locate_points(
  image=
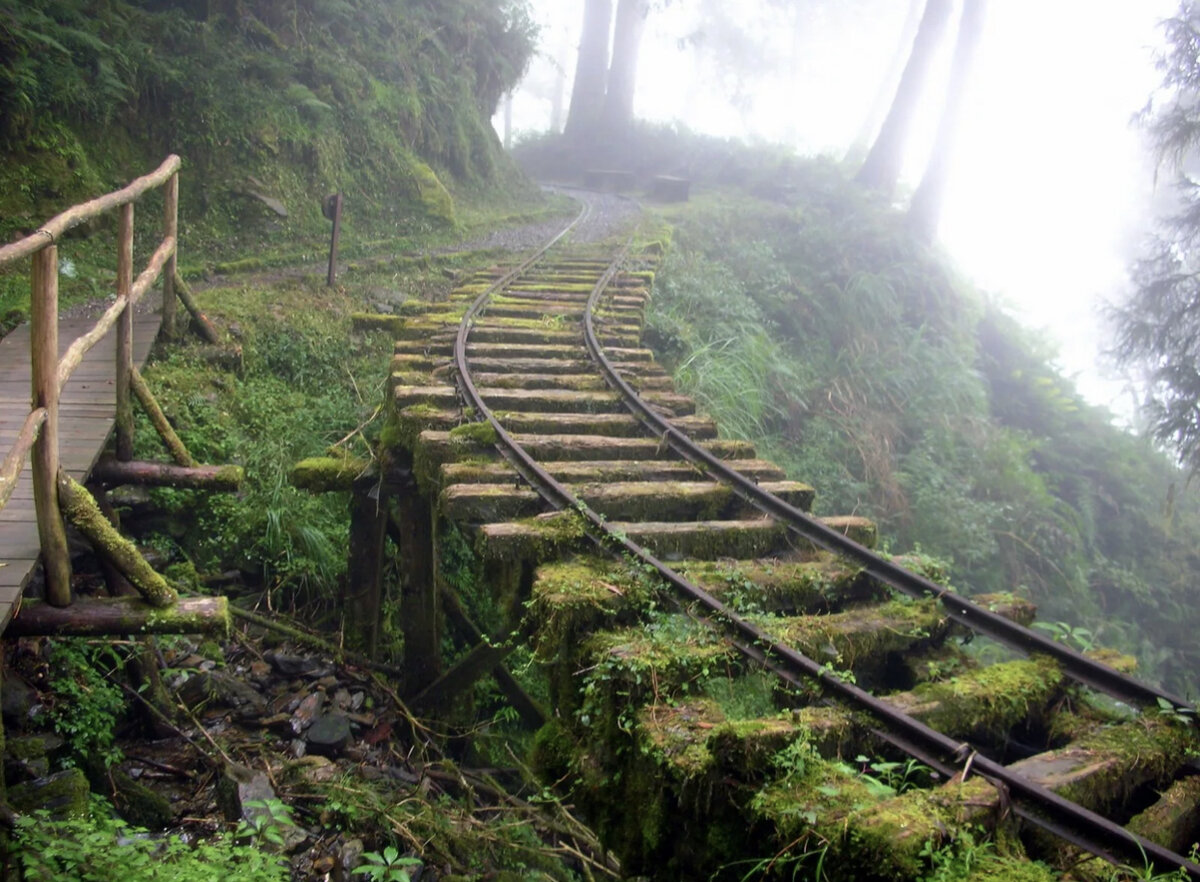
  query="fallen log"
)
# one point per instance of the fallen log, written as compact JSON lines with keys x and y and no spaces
{"x":158,"y":474}
{"x":80,"y":509}
{"x":120,"y":616}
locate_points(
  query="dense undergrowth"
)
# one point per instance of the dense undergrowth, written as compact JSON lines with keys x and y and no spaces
{"x":387,"y":102}
{"x":808,"y":320}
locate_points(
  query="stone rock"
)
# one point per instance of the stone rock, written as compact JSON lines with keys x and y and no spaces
{"x":63,"y":795}
{"x":307,"y":711}
{"x":329,"y":735}
{"x":27,"y":757}
{"x":349,"y":860}
{"x":19,"y":702}
{"x":296,"y":665}
{"x":220,"y":689}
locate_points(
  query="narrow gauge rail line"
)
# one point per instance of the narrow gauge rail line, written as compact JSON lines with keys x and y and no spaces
{"x":1034,"y":803}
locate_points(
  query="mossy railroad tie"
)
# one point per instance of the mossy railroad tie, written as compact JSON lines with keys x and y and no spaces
{"x":654,"y":709}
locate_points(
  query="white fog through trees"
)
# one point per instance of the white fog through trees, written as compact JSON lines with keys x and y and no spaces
{"x":1050,"y":188}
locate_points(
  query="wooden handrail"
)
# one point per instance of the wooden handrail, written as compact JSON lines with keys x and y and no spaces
{"x":78,"y":349}
{"x":15,"y":461}
{"x":50,"y":232}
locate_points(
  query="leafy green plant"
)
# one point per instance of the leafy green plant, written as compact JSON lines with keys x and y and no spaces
{"x":386,"y":866}
{"x":897,"y":776}
{"x":100,"y":847}
{"x":1184,"y":715}
{"x":265,"y":823}
{"x":1077,"y":637}
{"x":86,"y":704}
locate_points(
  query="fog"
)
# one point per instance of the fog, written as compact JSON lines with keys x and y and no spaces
{"x":1050,"y":185}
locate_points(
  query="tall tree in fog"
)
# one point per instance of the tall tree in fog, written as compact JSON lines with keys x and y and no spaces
{"x":622,"y":72}
{"x":926,"y":207}
{"x":591,"y":70}
{"x":881,"y":169}
{"x":1158,"y":327}
{"x":887,"y":87}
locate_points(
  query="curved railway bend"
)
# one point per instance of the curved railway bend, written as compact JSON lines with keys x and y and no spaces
{"x":736,"y":684}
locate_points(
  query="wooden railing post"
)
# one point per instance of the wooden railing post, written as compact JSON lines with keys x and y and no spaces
{"x":125,"y":335}
{"x":44,"y":357}
{"x":170,"y":228}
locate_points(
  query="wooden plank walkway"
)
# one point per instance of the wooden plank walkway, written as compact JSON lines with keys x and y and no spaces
{"x":87,"y":411}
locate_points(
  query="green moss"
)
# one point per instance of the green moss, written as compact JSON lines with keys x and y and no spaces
{"x":535,"y":539}
{"x":676,"y":736}
{"x":988,"y":700}
{"x":245,"y":265}
{"x":474,"y":433}
{"x":864,"y":635}
{"x":371,"y":321}
{"x":405,"y":432}
{"x":776,"y":586}
{"x":1122,"y":757}
{"x":431,"y":194}
{"x":322,"y":474}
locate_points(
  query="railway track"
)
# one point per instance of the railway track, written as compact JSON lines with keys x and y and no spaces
{"x":774,"y":695}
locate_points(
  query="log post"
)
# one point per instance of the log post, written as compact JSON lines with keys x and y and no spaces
{"x":44,"y":345}
{"x":364,"y":570}
{"x":204,"y":327}
{"x":114,"y":579}
{"x":85,"y":515}
{"x":179,"y":452}
{"x":418,"y":591}
{"x":125,"y":335}
{"x":126,"y":616}
{"x":170,"y":228}
{"x":115,"y":473}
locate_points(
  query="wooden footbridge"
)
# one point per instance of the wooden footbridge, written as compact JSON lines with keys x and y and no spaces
{"x":64,"y":387}
{"x":733,"y":683}
{"x":87,"y":412}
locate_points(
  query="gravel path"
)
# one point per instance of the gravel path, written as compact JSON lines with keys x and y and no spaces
{"x":610,"y":215}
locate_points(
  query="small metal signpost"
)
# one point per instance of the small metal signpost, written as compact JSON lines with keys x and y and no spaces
{"x":332,"y":209}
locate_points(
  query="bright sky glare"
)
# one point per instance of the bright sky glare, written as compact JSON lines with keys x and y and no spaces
{"x":1050,"y":184}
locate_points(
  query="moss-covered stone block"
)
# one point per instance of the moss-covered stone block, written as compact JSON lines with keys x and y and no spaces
{"x":324,"y":474}
{"x":987,"y":701}
{"x":859,"y":639}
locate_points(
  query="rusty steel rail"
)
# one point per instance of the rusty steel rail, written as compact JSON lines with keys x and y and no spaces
{"x":1042,"y":807}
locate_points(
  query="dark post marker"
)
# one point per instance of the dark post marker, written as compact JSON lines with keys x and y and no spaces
{"x":332,"y":209}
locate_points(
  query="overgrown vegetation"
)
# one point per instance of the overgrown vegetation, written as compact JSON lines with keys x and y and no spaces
{"x":270,"y":100}
{"x":812,"y":324}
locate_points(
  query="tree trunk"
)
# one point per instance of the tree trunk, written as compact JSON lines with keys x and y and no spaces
{"x":881,"y":169}
{"x":508,"y":113}
{"x":591,"y":68}
{"x":560,"y":85}
{"x":926,"y":207}
{"x":622,"y":72}
{"x":887,"y":86}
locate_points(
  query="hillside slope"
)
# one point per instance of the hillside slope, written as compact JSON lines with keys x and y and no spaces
{"x":272,"y":104}
{"x":812,"y":324}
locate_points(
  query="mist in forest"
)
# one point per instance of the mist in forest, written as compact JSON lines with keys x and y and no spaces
{"x":1048,"y":187}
